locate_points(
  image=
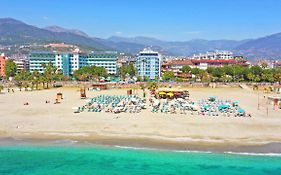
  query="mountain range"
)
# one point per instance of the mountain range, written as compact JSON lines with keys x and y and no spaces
{"x":13,"y":32}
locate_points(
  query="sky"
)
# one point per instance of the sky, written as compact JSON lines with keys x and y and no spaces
{"x":173,"y":20}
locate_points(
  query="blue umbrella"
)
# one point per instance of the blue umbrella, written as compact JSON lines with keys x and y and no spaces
{"x":241,"y":111}
{"x":223,"y":106}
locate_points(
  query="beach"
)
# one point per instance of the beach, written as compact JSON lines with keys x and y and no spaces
{"x":48,"y":121}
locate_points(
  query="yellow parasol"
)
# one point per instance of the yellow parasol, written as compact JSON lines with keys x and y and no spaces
{"x":170,"y":94}
{"x":162,"y":93}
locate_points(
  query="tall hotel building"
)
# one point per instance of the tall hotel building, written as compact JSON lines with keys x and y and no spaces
{"x":106,"y":59}
{"x":148,"y":64}
{"x":69,"y":62}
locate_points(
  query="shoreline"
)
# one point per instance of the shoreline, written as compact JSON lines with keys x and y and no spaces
{"x":144,"y":143}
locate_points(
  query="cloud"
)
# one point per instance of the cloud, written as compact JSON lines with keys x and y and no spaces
{"x":45,"y":17}
{"x":118,"y":33}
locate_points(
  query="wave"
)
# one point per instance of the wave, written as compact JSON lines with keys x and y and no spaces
{"x":200,"y":152}
{"x":159,"y":149}
{"x":253,"y":154}
{"x":66,"y":142}
{"x":136,"y":148}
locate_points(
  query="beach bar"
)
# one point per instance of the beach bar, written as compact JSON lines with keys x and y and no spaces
{"x":172,"y":93}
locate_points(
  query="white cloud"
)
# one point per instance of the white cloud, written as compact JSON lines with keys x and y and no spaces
{"x":45,"y":17}
{"x":118,"y":33}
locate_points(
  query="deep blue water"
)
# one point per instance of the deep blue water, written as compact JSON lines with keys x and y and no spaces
{"x":51,"y":160}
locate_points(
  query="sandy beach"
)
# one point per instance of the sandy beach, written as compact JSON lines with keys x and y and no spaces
{"x":41,"y":121}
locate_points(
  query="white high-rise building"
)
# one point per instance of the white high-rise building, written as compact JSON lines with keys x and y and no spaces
{"x":221,"y":55}
{"x":148,"y":64}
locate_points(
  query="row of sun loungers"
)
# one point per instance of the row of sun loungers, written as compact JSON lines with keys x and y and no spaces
{"x":212,"y":106}
{"x":114,"y":104}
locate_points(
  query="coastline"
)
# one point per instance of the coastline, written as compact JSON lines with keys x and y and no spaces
{"x":270,"y":148}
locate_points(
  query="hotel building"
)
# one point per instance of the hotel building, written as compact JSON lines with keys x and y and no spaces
{"x":3,"y":60}
{"x":106,"y":59}
{"x":221,"y":55}
{"x":70,"y":62}
{"x":22,"y":64}
{"x":148,"y":64}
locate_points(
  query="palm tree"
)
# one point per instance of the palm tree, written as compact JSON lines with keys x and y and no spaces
{"x":21,"y":77}
{"x":1,"y":88}
{"x":35,"y":78}
{"x":143,"y":90}
{"x":25,"y":85}
{"x":49,"y":72}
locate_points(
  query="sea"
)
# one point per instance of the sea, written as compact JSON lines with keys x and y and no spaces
{"x":119,"y":160}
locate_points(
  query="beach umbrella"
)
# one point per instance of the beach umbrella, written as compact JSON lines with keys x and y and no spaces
{"x":223,"y":106}
{"x":206,"y":107}
{"x":171,"y":94}
{"x":212,"y":98}
{"x":241,"y":110}
{"x":162,"y":93}
{"x":235,"y":103}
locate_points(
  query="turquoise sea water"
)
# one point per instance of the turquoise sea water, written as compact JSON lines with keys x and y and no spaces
{"x":51,"y":160}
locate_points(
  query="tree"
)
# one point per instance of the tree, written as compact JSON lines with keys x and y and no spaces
{"x":59,"y":75}
{"x":152,"y":86}
{"x":267,"y":75}
{"x":142,"y":86}
{"x":90,"y":73}
{"x":35,"y":78}
{"x":1,"y":88}
{"x":49,"y":72}
{"x":277,"y":75}
{"x":186,"y":69}
{"x":238,"y":73}
{"x":256,"y":70}
{"x":250,"y":76}
{"x":127,"y":70}
{"x":195,"y":71}
{"x":21,"y":78}
{"x":199,"y":73}
{"x":168,"y":75}
{"x":10,"y":68}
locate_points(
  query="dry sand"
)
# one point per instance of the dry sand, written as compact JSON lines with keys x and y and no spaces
{"x":39,"y":120}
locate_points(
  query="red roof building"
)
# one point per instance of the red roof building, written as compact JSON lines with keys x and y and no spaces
{"x":3,"y":60}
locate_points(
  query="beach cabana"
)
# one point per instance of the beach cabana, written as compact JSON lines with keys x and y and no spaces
{"x":59,"y":96}
{"x":82,"y":93}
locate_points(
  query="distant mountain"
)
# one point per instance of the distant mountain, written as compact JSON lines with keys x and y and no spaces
{"x":182,"y":48}
{"x":63,"y":30}
{"x":265,"y":47}
{"x":13,"y":32}
{"x":16,"y":32}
